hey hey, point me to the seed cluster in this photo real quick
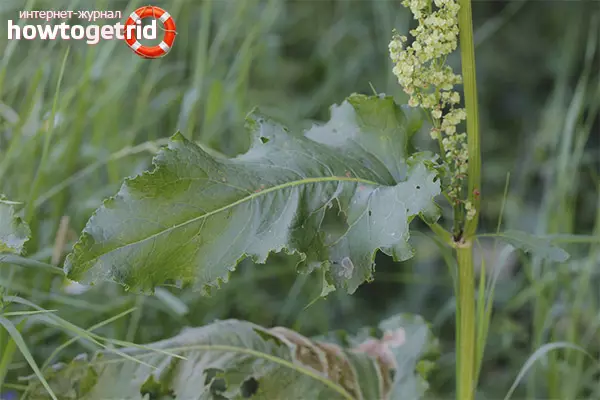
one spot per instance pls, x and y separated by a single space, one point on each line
422 72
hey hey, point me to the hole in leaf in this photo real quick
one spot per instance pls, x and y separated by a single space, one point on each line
418 187
214 380
264 139
370 213
249 388
210 375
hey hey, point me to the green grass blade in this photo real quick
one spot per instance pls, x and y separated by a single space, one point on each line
26 313
538 354
20 343
8 352
12 259
91 328
48 139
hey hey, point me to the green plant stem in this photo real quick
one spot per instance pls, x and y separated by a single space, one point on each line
442 233
467 54
466 324
464 246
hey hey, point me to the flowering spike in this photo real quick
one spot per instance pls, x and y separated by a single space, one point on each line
423 74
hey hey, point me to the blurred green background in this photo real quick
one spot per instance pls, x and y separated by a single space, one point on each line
539 90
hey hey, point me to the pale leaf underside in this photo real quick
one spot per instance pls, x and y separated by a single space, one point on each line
537 246
14 232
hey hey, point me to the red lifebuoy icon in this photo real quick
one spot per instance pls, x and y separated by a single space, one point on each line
150 12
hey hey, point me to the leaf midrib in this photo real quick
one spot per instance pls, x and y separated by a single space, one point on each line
236 203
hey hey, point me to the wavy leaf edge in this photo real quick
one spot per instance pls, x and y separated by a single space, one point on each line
425 159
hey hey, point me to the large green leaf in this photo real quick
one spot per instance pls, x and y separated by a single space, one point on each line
14 232
334 195
236 359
